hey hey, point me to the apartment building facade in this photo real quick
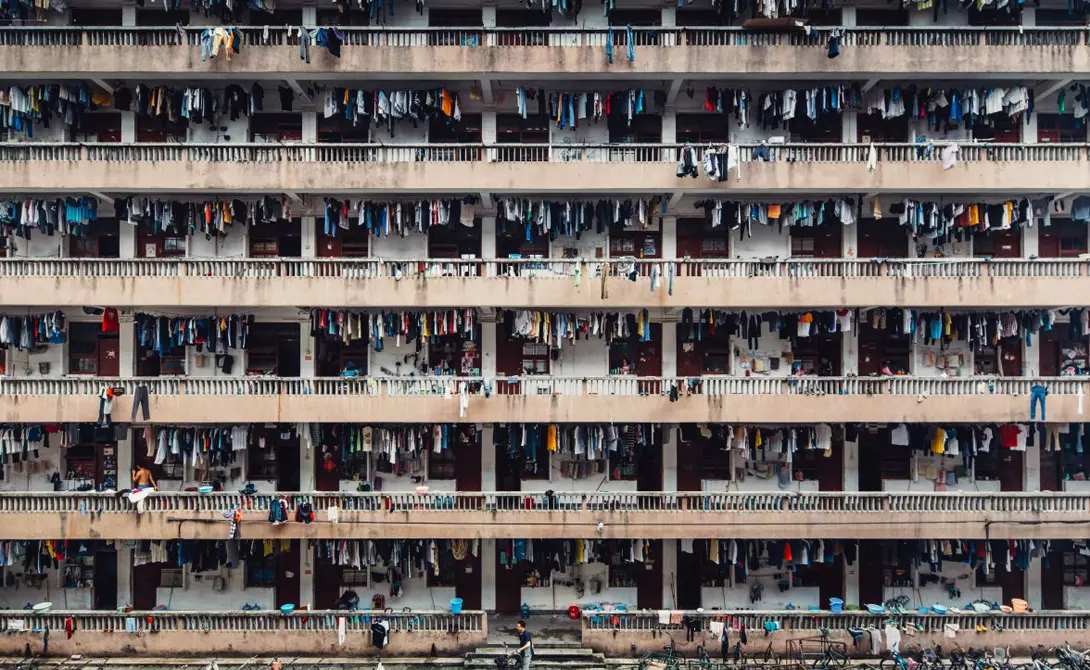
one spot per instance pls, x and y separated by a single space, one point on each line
668 313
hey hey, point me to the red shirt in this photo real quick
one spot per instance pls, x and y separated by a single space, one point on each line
1008 436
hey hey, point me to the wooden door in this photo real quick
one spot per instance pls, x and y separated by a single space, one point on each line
649 578
109 356
649 469
467 585
1011 464
327 584
689 457
1010 356
998 244
1049 362
287 575
830 578
1048 243
827 241
649 354
467 469
145 581
870 460
508 359
870 573
686 583
287 465
884 238
1012 582
327 468
105 590
1050 471
509 579
1052 581
508 477
688 359
830 471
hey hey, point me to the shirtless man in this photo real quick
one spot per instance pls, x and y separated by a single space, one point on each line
142 478
143 484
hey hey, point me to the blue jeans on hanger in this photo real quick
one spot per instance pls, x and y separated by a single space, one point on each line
1037 394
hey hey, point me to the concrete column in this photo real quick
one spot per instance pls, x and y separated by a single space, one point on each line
488 237
1029 130
847 18
488 460
849 125
669 573
488 575
1029 17
849 352
1031 473
851 584
1034 589
488 349
310 16
669 20
308 229
306 572
669 126
124 573
127 240
126 337
128 18
488 126
851 466
1031 247
306 351
849 241
669 348
669 457
128 127
488 16
669 238
1031 357
310 124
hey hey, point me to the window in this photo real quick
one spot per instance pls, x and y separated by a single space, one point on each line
1055 128
261 572
702 128
357 578
513 129
523 18
880 18
285 127
700 18
261 464
455 18
1059 17
83 348
1076 568
896 463
637 18
441 465
643 129
535 359
802 242
714 461
171 578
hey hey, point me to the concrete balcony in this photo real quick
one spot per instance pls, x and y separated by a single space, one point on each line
210 633
199 282
311 634
538 168
640 632
683 515
661 52
709 399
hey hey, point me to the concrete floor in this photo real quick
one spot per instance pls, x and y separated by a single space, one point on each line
545 628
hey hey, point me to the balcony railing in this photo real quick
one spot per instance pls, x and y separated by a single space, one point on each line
646 622
631 386
644 37
539 504
384 268
903 152
425 621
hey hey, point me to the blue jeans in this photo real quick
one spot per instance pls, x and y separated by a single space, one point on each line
1037 394
526 656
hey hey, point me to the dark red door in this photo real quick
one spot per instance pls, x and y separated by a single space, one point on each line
1011 356
830 578
287 575
509 580
1052 581
109 356
827 241
327 584
830 471
689 457
870 578
327 472
687 579
145 582
467 584
1010 470
467 469
884 238
648 577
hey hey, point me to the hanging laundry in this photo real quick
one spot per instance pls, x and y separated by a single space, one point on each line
539 219
170 335
383 219
553 328
210 217
742 215
26 331
67 216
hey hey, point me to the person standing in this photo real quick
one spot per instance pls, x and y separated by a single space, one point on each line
526 644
